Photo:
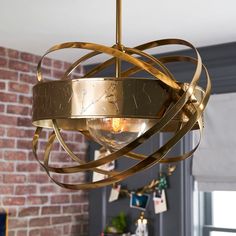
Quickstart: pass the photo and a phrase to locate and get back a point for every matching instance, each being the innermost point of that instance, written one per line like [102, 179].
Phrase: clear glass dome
[115, 133]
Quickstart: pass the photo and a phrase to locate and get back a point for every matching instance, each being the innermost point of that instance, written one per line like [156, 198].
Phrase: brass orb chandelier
[119, 112]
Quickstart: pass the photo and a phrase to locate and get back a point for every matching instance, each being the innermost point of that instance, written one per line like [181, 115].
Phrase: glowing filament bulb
[117, 125]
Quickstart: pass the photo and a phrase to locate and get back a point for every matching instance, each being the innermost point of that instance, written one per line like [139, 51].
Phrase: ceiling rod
[118, 35]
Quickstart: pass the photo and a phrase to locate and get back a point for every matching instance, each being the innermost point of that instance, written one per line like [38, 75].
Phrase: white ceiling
[35, 25]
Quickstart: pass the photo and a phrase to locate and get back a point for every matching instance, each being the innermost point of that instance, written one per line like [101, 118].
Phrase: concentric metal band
[181, 100]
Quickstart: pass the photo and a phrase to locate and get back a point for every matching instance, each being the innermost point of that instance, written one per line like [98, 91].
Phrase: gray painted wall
[177, 221]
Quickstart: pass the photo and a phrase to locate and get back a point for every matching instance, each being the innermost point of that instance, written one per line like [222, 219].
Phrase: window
[219, 213]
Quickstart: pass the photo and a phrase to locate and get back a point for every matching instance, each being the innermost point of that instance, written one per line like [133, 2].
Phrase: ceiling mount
[122, 111]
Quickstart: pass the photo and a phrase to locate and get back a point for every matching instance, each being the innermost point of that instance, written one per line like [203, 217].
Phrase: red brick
[2, 107]
[85, 208]
[57, 64]
[51, 210]
[3, 62]
[25, 190]
[24, 144]
[58, 156]
[13, 201]
[76, 229]
[48, 189]
[29, 211]
[60, 199]
[7, 190]
[81, 198]
[14, 179]
[8, 75]
[2, 131]
[79, 138]
[27, 57]
[15, 155]
[31, 79]
[57, 177]
[27, 167]
[58, 74]
[8, 97]
[13, 53]
[56, 146]
[21, 233]
[19, 88]
[25, 100]
[31, 156]
[12, 211]
[46, 71]
[2, 51]
[38, 178]
[36, 59]
[7, 120]
[2, 85]
[72, 209]
[17, 223]
[66, 229]
[37, 200]
[76, 178]
[11, 233]
[27, 183]
[6, 166]
[7, 143]
[80, 217]
[66, 65]
[27, 122]
[13, 109]
[47, 61]
[15, 132]
[35, 232]
[19, 66]
[61, 219]
[40, 221]
[33, 68]
[55, 231]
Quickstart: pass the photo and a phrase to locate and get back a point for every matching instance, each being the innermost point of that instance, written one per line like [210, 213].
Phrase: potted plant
[118, 226]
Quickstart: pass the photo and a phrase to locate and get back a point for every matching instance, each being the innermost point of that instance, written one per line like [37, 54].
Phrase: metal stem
[118, 35]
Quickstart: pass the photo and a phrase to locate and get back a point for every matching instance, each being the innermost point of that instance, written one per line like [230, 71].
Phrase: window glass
[224, 211]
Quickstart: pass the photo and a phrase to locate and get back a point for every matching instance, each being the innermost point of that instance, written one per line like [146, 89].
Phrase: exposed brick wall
[37, 207]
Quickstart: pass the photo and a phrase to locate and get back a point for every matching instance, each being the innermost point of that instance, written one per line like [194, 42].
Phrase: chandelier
[122, 111]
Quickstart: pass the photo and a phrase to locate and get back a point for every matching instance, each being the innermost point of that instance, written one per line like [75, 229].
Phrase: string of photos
[139, 198]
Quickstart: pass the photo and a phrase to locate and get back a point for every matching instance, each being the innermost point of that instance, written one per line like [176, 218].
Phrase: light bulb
[117, 124]
[115, 133]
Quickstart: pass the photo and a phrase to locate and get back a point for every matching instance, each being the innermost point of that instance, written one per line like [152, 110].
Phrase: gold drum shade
[71, 102]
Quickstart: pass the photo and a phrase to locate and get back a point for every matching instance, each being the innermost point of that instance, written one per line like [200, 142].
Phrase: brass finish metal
[118, 22]
[172, 106]
[72, 101]
[99, 97]
[118, 36]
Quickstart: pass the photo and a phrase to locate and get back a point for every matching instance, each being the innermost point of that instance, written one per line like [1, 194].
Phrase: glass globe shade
[115, 133]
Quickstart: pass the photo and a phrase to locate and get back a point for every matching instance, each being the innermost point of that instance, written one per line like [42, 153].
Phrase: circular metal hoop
[173, 105]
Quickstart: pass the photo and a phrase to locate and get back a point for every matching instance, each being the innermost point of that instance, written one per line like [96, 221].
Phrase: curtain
[214, 163]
